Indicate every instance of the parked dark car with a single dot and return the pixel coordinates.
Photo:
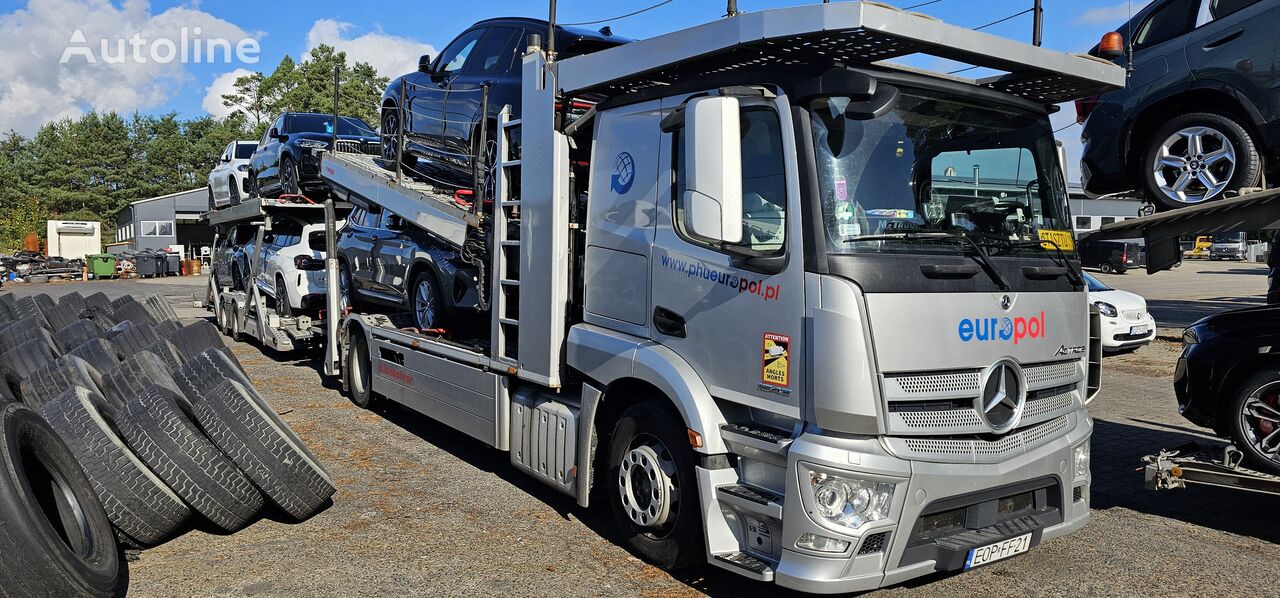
(1228, 379)
(385, 262)
(444, 96)
(231, 256)
(1200, 116)
(1109, 256)
(287, 160)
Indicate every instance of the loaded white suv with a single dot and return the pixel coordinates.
(291, 266)
(227, 180)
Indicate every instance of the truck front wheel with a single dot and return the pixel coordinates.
(653, 491)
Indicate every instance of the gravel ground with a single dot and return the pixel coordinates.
(422, 509)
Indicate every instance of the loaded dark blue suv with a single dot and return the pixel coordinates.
(1200, 116)
(443, 98)
(287, 160)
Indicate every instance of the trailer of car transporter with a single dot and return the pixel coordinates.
(711, 325)
(244, 312)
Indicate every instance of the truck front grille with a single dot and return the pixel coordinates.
(978, 449)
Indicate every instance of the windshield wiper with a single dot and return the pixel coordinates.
(963, 236)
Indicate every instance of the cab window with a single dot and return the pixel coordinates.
(764, 187)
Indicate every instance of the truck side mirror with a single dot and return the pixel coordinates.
(424, 64)
(713, 180)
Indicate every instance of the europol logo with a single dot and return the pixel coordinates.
(1001, 329)
(624, 173)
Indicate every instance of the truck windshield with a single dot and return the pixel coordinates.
(938, 164)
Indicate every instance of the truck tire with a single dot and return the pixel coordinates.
(23, 330)
(248, 431)
(159, 307)
(133, 312)
(135, 374)
(136, 338)
(168, 329)
(7, 395)
(358, 371)
(98, 307)
(54, 379)
(21, 362)
(55, 536)
(1169, 152)
(167, 353)
(1252, 424)
(207, 371)
(164, 437)
(652, 489)
(194, 338)
(26, 307)
(100, 354)
(59, 316)
(77, 333)
(74, 302)
(138, 503)
(117, 329)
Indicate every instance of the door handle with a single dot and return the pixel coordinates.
(668, 322)
(1223, 40)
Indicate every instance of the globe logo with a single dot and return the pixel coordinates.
(1006, 328)
(624, 173)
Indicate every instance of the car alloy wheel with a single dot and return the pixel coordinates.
(425, 309)
(345, 285)
(283, 309)
(390, 133)
(288, 177)
(1194, 164)
(233, 191)
(1260, 421)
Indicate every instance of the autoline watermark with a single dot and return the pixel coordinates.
(190, 47)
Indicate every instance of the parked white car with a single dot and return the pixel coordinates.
(228, 181)
(291, 266)
(1126, 322)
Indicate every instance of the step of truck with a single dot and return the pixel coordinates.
(750, 498)
(745, 564)
(755, 440)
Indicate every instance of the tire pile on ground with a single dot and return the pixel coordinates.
(120, 427)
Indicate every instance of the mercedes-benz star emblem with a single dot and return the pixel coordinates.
(1006, 302)
(1004, 393)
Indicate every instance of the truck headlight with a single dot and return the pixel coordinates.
(1106, 309)
(850, 503)
(1082, 460)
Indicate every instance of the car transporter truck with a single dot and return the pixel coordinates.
(745, 303)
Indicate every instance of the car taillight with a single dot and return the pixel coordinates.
(1124, 257)
(306, 262)
(1085, 107)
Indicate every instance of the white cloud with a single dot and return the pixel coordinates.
(391, 55)
(224, 84)
(36, 86)
(1112, 16)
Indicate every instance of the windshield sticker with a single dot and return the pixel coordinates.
(742, 284)
(844, 211)
(892, 213)
(1061, 238)
(775, 369)
(850, 230)
(842, 190)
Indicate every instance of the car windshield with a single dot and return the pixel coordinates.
(938, 164)
(320, 123)
(244, 151)
(1095, 285)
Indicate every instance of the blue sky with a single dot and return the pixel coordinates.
(392, 32)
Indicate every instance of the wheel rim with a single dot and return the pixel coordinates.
(1194, 165)
(490, 180)
(390, 128)
(648, 487)
(233, 192)
(424, 308)
(1260, 420)
(288, 178)
(344, 290)
(282, 300)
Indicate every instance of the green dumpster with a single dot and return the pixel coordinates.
(102, 265)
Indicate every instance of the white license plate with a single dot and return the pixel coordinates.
(991, 553)
(1138, 329)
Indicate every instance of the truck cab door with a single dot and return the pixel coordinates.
(740, 327)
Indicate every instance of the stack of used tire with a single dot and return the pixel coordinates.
(118, 426)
